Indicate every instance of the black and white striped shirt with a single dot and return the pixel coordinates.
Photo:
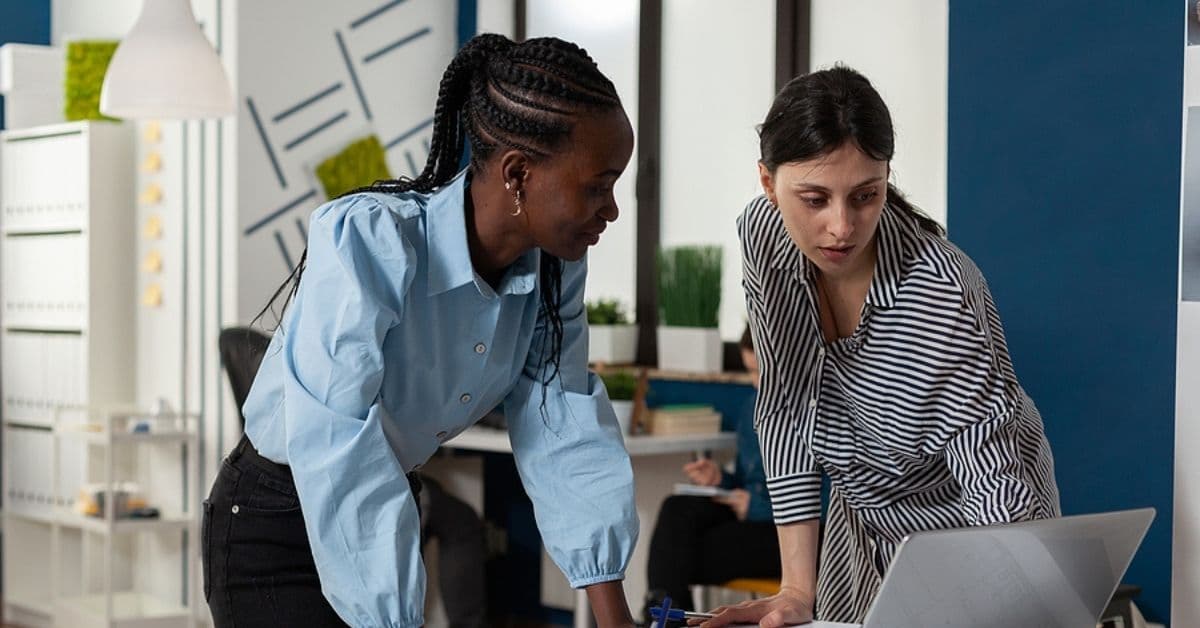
(917, 418)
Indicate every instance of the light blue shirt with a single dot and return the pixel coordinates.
(394, 345)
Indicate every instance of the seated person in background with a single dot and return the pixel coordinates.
(711, 540)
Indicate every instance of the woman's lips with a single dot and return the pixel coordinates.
(836, 253)
(592, 237)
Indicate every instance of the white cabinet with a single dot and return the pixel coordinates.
(67, 357)
(66, 269)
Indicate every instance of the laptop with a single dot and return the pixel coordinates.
(1052, 573)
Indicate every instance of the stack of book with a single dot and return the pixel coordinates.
(684, 419)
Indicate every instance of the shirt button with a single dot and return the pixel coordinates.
(235, 509)
(821, 352)
(442, 435)
(812, 403)
(480, 348)
(465, 398)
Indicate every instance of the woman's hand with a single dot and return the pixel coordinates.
(703, 472)
(786, 608)
(738, 500)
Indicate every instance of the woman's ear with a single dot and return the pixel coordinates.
(513, 169)
(768, 183)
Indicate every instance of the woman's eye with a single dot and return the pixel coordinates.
(813, 201)
(867, 196)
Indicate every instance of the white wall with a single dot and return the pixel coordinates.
(399, 88)
(609, 32)
(901, 46)
(494, 16)
(106, 19)
(718, 69)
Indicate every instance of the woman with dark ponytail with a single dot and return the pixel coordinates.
(883, 364)
(420, 305)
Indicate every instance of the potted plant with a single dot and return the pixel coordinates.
(612, 339)
(689, 299)
(622, 388)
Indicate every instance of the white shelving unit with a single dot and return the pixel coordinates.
(120, 595)
(67, 356)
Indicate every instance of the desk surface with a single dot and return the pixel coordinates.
(491, 439)
(815, 624)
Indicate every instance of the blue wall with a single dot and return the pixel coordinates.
(1064, 162)
(25, 22)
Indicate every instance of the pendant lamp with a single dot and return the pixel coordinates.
(166, 69)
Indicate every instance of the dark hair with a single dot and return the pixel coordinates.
(499, 94)
(816, 113)
(747, 341)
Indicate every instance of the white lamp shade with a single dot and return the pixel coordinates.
(166, 69)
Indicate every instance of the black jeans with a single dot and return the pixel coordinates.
(258, 565)
(698, 541)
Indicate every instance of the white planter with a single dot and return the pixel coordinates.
(690, 349)
(624, 412)
(612, 344)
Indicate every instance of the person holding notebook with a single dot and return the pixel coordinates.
(711, 540)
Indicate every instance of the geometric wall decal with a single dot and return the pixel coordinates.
(368, 68)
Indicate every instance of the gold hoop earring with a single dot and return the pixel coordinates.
(517, 202)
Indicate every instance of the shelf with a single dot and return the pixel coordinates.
(71, 519)
(101, 437)
(725, 377)
(37, 606)
(129, 609)
(47, 518)
(171, 521)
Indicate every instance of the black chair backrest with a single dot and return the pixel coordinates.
(242, 350)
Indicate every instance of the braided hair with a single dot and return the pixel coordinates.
(498, 94)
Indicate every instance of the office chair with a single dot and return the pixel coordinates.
(242, 350)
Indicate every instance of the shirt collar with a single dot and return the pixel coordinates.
(449, 257)
(890, 252)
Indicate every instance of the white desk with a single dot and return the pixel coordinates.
(657, 461)
(494, 440)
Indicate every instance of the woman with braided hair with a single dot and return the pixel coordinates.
(420, 305)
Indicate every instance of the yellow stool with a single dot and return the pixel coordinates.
(754, 586)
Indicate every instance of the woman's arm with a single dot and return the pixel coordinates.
(607, 600)
(573, 463)
(798, 551)
(794, 602)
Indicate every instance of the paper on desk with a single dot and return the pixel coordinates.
(701, 491)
